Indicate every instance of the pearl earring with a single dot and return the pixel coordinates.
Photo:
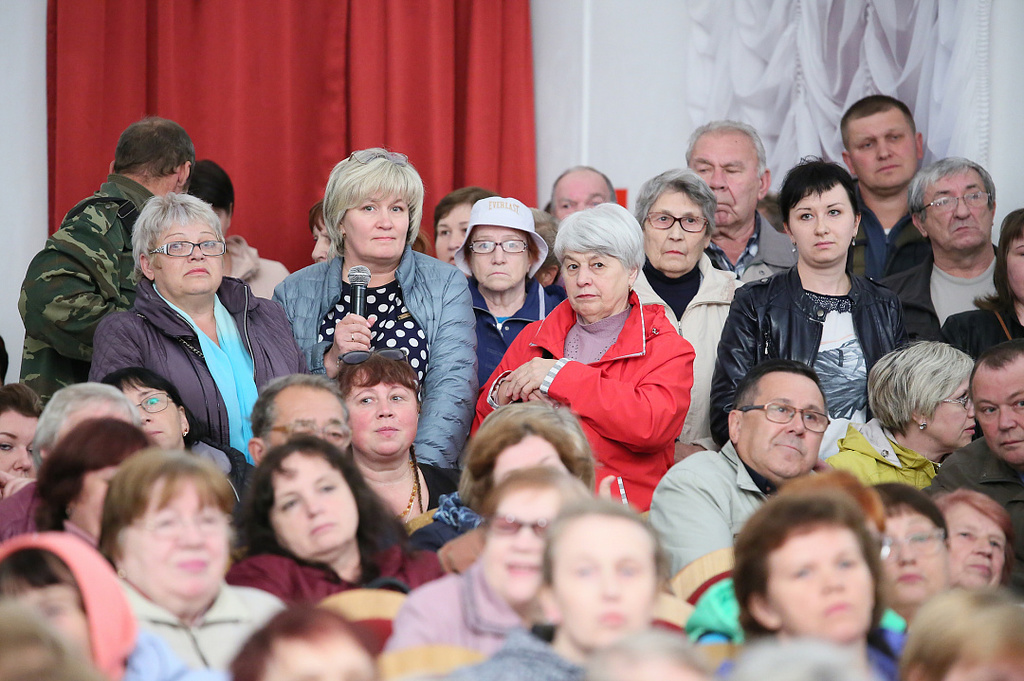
(922, 425)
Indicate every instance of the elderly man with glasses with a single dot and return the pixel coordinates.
(775, 431)
(953, 204)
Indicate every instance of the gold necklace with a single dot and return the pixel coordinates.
(415, 496)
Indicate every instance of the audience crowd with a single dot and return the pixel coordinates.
(578, 443)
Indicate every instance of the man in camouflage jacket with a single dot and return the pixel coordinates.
(86, 269)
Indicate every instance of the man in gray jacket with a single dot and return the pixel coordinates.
(774, 435)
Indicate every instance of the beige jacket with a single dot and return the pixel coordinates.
(701, 324)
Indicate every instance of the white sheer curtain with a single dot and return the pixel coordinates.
(791, 68)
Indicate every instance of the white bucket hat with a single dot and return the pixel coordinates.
(496, 211)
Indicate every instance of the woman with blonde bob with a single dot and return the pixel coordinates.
(498, 592)
(167, 530)
(517, 436)
(922, 412)
(807, 566)
(372, 210)
(966, 636)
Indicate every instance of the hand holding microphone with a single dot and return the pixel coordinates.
(352, 332)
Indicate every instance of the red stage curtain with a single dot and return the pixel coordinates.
(278, 91)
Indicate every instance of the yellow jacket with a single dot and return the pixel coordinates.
(869, 452)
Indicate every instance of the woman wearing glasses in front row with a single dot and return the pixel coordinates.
(817, 313)
(166, 529)
(501, 254)
(372, 209)
(918, 395)
(208, 334)
(677, 212)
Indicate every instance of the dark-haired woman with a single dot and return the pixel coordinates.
(816, 312)
(1000, 316)
(171, 426)
(313, 527)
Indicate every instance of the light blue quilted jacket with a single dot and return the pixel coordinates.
(438, 297)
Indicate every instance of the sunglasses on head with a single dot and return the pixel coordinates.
(360, 356)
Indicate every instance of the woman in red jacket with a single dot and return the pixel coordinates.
(619, 366)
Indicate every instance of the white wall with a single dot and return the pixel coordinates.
(23, 173)
(628, 116)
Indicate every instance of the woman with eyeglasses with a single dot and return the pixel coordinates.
(207, 333)
(676, 210)
(372, 210)
(817, 312)
(922, 411)
(381, 395)
(501, 254)
(312, 527)
(498, 593)
(915, 549)
(167, 531)
(171, 426)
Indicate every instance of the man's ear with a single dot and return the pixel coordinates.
(257, 448)
(735, 424)
(849, 163)
(917, 223)
(766, 184)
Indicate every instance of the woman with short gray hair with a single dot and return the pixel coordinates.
(676, 210)
(919, 397)
(208, 334)
(617, 364)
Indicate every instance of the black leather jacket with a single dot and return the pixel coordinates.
(775, 318)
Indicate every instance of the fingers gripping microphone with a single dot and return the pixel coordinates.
(358, 278)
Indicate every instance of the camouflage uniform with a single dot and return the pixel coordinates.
(84, 272)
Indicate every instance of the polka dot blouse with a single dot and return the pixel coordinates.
(394, 328)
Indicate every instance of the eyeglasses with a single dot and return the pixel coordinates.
(167, 526)
(949, 203)
(919, 543)
(814, 421)
(155, 403)
(183, 249)
(334, 431)
(365, 156)
(510, 525)
(963, 400)
(510, 246)
(666, 221)
(360, 356)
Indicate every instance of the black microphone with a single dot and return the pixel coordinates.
(358, 278)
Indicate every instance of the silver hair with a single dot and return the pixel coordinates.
(607, 229)
(576, 169)
(353, 181)
(914, 379)
(72, 399)
(731, 126)
(953, 165)
(630, 652)
(263, 412)
(798, 660)
(171, 210)
(681, 180)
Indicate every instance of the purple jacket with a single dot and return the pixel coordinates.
(460, 610)
(154, 336)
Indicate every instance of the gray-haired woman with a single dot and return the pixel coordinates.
(208, 334)
(618, 365)
(923, 411)
(676, 210)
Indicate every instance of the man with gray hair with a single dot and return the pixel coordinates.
(85, 269)
(300, 403)
(953, 203)
(69, 407)
(730, 157)
(579, 188)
